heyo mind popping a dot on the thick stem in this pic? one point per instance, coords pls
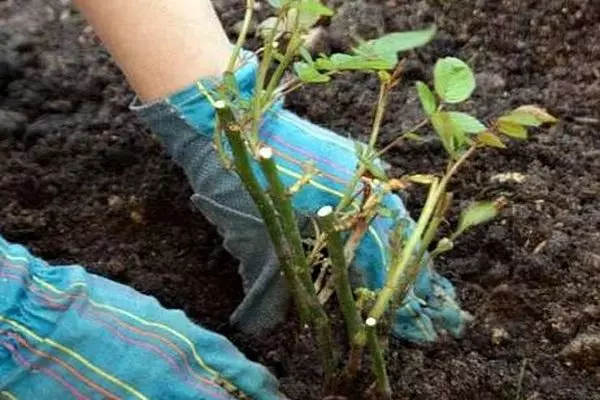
(340, 273)
(317, 316)
(354, 359)
(283, 205)
(379, 369)
(243, 168)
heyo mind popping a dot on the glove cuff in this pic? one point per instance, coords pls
(192, 103)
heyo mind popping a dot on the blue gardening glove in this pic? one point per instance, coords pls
(185, 122)
(67, 334)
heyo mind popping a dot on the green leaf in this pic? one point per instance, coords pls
(426, 97)
(314, 7)
(489, 139)
(466, 122)
(388, 46)
(413, 137)
(340, 61)
(478, 213)
(324, 63)
(422, 179)
(308, 74)
(308, 11)
(443, 246)
(451, 134)
(528, 115)
(305, 20)
(541, 114)
(265, 28)
(518, 118)
(512, 129)
(453, 80)
(305, 54)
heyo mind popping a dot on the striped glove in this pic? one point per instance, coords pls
(67, 334)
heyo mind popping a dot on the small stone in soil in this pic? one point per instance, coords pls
(12, 123)
(499, 335)
(584, 350)
(490, 82)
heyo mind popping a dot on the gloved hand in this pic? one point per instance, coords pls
(67, 334)
(185, 123)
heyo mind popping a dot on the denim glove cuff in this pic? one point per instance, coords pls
(191, 101)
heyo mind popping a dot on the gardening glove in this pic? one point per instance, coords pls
(185, 122)
(67, 334)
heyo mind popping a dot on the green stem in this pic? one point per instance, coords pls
(379, 367)
(413, 268)
(355, 356)
(317, 315)
(292, 48)
(283, 205)
(340, 273)
(436, 190)
(397, 270)
(381, 106)
(401, 137)
(242, 37)
(434, 225)
(243, 168)
(379, 113)
(262, 76)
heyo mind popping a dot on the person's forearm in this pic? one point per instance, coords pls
(161, 45)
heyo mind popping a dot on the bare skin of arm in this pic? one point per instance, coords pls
(161, 45)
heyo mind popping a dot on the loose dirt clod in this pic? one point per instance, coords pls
(584, 350)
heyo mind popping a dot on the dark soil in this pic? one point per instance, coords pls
(81, 181)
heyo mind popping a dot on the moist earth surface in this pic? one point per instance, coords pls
(81, 181)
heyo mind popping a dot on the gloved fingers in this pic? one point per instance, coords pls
(418, 322)
(411, 323)
(438, 301)
(88, 337)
